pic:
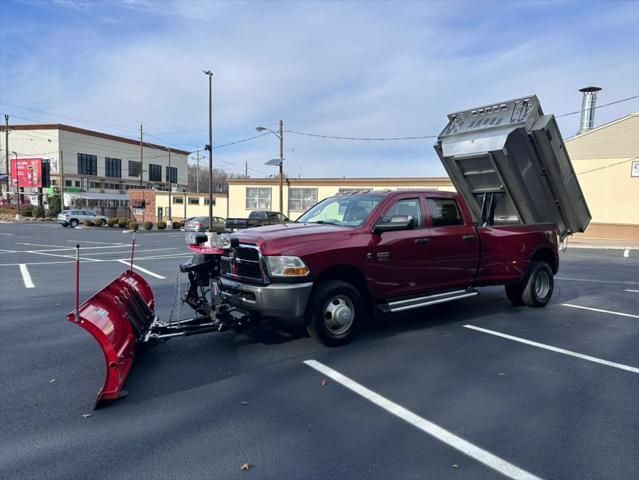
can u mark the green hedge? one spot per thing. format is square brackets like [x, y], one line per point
[161, 225]
[112, 222]
[133, 225]
[148, 225]
[88, 223]
[123, 223]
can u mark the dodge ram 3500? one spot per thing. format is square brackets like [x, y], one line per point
[394, 251]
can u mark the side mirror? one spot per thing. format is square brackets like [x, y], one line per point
[396, 223]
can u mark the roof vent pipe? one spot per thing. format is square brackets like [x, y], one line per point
[588, 105]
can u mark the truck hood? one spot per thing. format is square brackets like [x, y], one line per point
[277, 239]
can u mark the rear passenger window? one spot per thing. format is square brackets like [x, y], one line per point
[444, 212]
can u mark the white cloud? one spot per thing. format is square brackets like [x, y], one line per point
[351, 69]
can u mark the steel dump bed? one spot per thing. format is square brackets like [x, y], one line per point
[509, 162]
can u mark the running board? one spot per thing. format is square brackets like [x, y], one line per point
[401, 305]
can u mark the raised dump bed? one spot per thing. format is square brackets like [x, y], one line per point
[509, 162]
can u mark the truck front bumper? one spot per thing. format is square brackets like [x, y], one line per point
[284, 300]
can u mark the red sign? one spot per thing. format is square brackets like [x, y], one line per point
[26, 172]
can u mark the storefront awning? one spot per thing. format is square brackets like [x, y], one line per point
[97, 196]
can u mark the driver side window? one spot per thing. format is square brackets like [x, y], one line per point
[403, 209]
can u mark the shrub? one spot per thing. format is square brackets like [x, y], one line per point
[176, 225]
[148, 225]
[26, 212]
[112, 222]
[123, 223]
[133, 225]
[88, 223]
[54, 205]
[99, 222]
[38, 211]
[161, 225]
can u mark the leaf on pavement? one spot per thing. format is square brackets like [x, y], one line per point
[246, 467]
[86, 415]
[323, 382]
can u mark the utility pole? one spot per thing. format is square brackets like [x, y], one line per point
[6, 147]
[169, 175]
[141, 154]
[245, 169]
[61, 170]
[210, 147]
[197, 173]
[281, 166]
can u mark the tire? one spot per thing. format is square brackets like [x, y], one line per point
[515, 292]
[334, 312]
[73, 223]
[539, 285]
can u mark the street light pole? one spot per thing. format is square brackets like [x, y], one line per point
[6, 153]
[170, 205]
[279, 135]
[209, 73]
[281, 166]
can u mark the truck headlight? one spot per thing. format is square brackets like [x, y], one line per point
[220, 241]
[286, 266]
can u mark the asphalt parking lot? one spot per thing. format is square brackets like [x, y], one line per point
[475, 389]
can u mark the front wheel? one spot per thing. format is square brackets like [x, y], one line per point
[73, 223]
[334, 313]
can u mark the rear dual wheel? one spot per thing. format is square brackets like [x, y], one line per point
[334, 312]
[536, 289]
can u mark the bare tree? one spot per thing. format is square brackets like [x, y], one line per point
[220, 179]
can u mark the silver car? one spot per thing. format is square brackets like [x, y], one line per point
[72, 218]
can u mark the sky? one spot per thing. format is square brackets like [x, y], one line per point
[350, 69]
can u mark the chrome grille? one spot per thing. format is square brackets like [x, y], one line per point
[242, 262]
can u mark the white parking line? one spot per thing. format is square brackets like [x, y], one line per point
[600, 310]
[620, 366]
[630, 290]
[594, 280]
[114, 244]
[143, 270]
[458, 443]
[26, 276]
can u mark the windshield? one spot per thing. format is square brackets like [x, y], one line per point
[349, 211]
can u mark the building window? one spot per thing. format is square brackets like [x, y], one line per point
[171, 174]
[94, 185]
[194, 201]
[179, 200]
[155, 172]
[68, 183]
[77, 183]
[87, 164]
[134, 168]
[354, 190]
[112, 186]
[113, 167]
[301, 199]
[206, 201]
[258, 198]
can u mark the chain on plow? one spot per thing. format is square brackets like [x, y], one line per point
[176, 304]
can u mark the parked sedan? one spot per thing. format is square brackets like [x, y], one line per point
[72, 218]
[201, 224]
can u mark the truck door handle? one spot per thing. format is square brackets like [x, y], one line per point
[421, 241]
[468, 237]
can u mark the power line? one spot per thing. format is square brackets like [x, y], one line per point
[363, 139]
[599, 106]
[607, 166]
[215, 147]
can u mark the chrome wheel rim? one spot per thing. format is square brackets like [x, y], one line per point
[542, 285]
[339, 314]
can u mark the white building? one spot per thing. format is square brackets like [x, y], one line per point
[96, 167]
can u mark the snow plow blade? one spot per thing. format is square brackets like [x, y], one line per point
[118, 316]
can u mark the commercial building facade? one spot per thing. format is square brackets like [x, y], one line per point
[94, 168]
[299, 194]
[153, 205]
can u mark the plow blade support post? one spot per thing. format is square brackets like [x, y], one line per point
[117, 317]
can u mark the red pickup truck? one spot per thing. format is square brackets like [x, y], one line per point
[388, 250]
[394, 251]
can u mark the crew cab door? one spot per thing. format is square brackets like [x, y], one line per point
[453, 244]
[396, 265]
